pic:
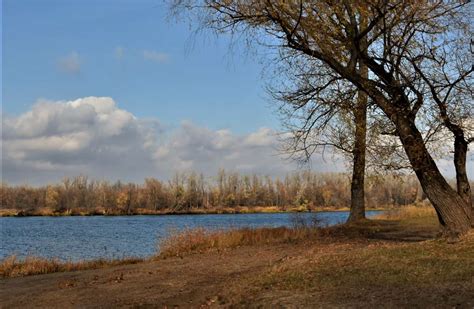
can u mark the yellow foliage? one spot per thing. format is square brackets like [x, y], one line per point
[52, 197]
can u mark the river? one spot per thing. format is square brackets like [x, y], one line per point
[86, 238]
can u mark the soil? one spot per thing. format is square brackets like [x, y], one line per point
[234, 278]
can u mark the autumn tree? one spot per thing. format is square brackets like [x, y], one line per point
[51, 197]
[153, 192]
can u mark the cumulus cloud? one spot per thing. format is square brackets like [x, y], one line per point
[93, 136]
[70, 64]
[89, 136]
[155, 56]
[196, 148]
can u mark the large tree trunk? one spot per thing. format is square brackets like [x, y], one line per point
[451, 208]
[358, 167]
[462, 181]
[357, 211]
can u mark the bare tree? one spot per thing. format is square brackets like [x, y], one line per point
[416, 57]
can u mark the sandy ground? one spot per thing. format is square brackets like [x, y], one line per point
[192, 281]
[233, 278]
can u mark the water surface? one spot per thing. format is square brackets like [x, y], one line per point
[79, 238]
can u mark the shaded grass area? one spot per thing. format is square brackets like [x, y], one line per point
[380, 264]
[429, 273]
[15, 267]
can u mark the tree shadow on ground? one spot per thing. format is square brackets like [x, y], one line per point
[389, 230]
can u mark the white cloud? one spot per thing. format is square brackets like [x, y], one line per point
[95, 137]
[201, 149]
[89, 136]
[263, 137]
[155, 56]
[70, 64]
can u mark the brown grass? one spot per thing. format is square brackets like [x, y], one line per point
[408, 212]
[377, 264]
[15, 267]
[201, 240]
[8, 212]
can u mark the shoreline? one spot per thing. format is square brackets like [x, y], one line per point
[377, 263]
[197, 211]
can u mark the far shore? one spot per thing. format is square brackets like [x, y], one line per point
[47, 212]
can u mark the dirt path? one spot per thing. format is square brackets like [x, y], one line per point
[190, 282]
[328, 273]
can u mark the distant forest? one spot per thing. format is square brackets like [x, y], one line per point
[192, 191]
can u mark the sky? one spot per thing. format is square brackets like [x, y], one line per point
[119, 90]
[129, 50]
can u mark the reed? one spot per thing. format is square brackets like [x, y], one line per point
[13, 266]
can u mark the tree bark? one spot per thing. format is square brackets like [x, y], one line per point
[462, 181]
[451, 208]
[357, 211]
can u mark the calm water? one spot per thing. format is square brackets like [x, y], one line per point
[76, 238]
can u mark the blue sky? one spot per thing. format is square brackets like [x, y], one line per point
[130, 51]
[114, 89]
[117, 90]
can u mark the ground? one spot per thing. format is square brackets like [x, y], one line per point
[393, 265]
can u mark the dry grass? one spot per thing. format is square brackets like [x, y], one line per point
[392, 260]
[393, 265]
[15, 267]
[201, 240]
[8, 212]
[408, 212]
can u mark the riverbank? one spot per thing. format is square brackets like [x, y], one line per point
[48, 212]
[391, 262]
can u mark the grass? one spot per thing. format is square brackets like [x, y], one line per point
[389, 265]
[15, 267]
[200, 240]
[397, 269]
[416, 219]
[408, 212]
[394, 258]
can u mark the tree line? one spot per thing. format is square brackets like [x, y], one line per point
[190, 191]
